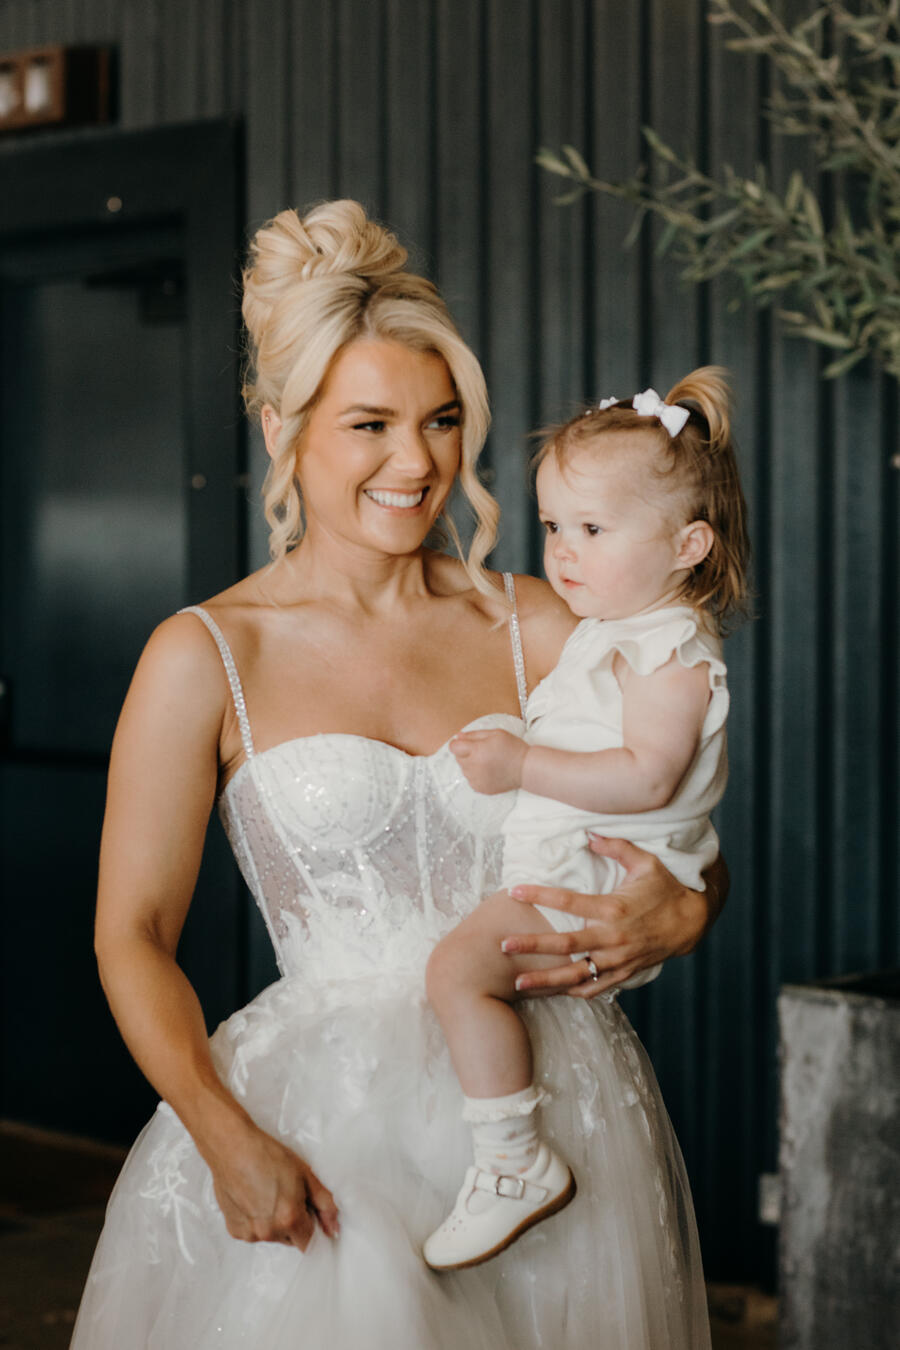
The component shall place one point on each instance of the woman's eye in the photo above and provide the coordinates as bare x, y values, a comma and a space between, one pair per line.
369, 426
445, 422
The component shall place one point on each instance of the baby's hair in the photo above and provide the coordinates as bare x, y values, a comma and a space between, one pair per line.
698, 467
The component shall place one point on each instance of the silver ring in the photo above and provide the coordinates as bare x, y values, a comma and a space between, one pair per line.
592, 969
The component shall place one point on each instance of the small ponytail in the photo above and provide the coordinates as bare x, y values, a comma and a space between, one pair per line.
702, 458
706, 391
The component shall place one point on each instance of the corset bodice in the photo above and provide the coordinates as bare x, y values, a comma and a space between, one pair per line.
359, 855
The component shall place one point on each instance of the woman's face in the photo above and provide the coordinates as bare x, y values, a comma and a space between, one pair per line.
381, 449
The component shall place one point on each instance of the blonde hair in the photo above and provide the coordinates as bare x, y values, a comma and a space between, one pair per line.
312, 285
699, 467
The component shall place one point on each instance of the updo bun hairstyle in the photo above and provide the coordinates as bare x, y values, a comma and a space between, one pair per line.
697, 468
311, 285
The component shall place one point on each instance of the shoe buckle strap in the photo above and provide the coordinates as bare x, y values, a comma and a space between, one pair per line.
508, 1187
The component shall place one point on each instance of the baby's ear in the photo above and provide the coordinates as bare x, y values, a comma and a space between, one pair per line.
695, 542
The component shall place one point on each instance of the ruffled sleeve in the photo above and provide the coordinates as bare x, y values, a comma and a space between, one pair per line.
648, 641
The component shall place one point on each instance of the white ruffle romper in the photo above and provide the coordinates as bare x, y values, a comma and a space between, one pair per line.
579, 707
361, 858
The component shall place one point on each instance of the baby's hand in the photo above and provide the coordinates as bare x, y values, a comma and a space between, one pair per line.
491, 760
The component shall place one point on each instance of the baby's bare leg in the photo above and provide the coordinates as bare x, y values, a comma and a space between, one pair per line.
517, 1179
471, 986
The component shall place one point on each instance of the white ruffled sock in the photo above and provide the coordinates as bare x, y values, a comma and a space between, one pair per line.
504, 1130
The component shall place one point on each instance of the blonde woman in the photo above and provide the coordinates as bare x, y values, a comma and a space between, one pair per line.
280, 1196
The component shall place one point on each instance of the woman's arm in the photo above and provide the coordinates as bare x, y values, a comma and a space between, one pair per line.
650, 917
162, 784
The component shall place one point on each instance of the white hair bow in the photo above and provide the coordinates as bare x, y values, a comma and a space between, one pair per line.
606, 403
649, 404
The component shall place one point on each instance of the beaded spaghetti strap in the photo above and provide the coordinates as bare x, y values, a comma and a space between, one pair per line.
234, 682
516, 637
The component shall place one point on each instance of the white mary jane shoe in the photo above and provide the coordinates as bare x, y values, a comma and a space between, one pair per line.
492, 1211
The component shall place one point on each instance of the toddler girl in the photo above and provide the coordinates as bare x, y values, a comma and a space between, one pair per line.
646, 542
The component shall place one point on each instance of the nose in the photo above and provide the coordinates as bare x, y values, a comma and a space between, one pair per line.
411, 454
561, 547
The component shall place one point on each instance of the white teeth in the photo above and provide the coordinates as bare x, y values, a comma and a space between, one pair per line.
396, 498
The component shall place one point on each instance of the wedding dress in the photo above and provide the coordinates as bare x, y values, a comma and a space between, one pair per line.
361, 857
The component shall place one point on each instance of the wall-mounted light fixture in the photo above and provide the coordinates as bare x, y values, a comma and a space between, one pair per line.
55, 86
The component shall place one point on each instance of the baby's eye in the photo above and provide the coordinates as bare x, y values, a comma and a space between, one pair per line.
550, 526
593, 529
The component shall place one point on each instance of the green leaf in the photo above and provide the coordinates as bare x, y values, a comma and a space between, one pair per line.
793, 316
845, 363
795, 190
577, 161
751, 242
813, 23
813, 213
659, 147
716, 224
825, 336
636, 227
665, 239
750, 44
778, 280
552, 163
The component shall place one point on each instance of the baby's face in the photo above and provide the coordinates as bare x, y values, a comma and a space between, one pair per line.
610, 549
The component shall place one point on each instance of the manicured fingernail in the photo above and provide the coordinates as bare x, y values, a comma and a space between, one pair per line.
522, 982
509, 945
517, 892
600, 838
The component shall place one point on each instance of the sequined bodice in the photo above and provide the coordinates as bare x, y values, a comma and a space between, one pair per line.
359, 855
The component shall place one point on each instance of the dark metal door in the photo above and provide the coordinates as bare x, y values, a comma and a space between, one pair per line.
119, 502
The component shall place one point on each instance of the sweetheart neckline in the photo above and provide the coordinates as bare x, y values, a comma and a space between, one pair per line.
355, 736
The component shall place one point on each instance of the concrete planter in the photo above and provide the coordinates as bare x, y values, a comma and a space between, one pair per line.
839, 1257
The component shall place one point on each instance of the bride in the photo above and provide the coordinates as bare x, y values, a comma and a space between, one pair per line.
280, 1195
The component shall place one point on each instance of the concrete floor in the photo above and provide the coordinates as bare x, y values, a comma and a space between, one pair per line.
52, 1196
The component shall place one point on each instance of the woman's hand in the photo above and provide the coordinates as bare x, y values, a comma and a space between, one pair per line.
650, 917
268, 1194
491, 760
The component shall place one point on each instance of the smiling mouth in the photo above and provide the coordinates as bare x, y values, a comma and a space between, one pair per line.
403, 500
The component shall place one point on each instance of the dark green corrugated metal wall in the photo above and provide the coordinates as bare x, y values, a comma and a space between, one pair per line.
430, 112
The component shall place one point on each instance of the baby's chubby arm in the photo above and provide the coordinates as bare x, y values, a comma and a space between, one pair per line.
662, 716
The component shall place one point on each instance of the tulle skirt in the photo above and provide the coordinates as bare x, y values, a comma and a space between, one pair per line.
360, 1084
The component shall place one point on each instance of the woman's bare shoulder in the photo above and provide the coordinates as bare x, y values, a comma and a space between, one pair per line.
545, 621
536, 596
181, 666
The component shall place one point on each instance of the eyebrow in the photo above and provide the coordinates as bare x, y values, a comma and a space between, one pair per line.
392, 412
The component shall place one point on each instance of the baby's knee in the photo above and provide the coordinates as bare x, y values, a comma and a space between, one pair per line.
444, 972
